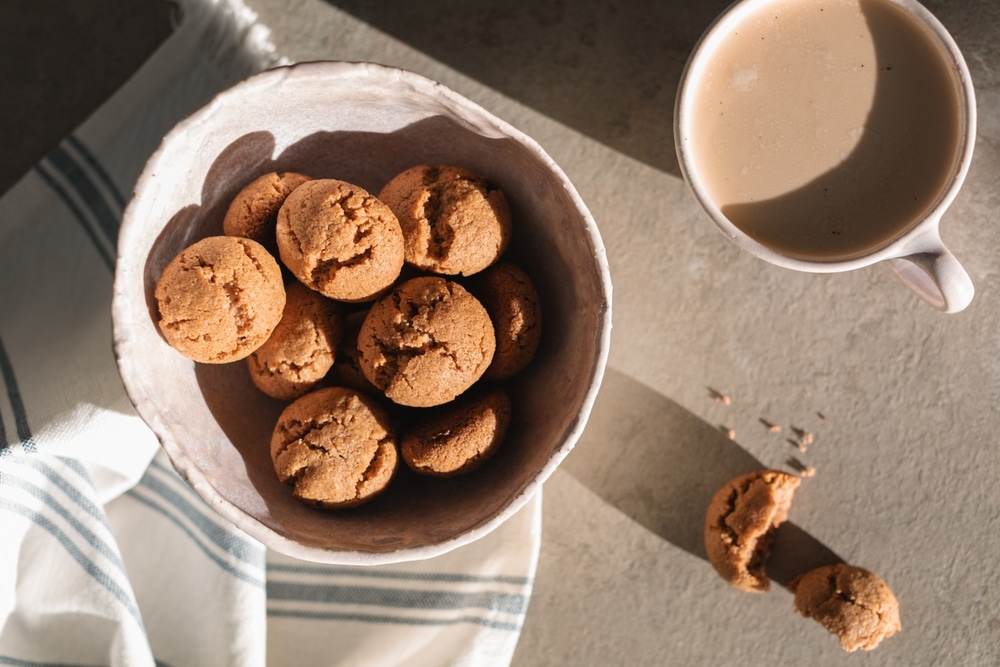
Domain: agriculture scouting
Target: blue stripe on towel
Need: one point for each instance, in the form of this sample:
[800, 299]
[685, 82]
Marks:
[107, 220]
[18, 662]
[38, 493]
[14, 396]
[81, 218]
[385, 619]
[398, 598]
[227, 567]
[445, 577]
[99, 575]
[67, 487]
[91, 160]
[232, 543]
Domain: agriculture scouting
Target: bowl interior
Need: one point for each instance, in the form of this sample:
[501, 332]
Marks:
[360, 123]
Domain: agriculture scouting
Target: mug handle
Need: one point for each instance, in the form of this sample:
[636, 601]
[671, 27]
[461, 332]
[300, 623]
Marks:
[936, 276]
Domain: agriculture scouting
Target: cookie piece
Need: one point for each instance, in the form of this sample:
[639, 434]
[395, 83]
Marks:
[336, 447]
[219, 299]
[509, 296]
[458, 437]
[740, 524]
[339, 240]
[426, 342]
[454, 222]
[253, 213]
[302, 347]
[849, 601]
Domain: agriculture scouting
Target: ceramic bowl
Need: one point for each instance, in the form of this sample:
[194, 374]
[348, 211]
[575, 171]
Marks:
[362, 123]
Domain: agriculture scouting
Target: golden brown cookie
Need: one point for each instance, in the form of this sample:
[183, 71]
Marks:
[253, 213]
[426, 342]
[458, 437]
[340, 240]
[302, 347]
[336, 447]
[740, 524]
[453, 220]
[509, 296]
[851, 602]
[219, 299]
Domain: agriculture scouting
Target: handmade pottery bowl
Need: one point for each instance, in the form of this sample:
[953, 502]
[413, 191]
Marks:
[361, 123]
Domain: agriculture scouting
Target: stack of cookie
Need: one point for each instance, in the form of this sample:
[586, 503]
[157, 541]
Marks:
[353, 308]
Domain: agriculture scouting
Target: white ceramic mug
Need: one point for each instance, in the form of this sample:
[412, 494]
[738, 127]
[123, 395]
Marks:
[813, 141]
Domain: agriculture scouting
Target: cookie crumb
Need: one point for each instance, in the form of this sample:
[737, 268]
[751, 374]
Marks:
[801, 468]
[730, 432]
[773, 428]
[719, 397]
[805, 438]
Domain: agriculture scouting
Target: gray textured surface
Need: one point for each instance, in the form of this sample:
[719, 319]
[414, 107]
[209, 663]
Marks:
[907, 460]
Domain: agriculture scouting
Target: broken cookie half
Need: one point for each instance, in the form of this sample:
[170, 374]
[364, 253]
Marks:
[740, 525]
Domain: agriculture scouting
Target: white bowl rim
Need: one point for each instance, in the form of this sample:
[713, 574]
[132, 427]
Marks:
[123, 348]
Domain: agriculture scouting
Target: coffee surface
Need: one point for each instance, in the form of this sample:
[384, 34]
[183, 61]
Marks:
[824, 129]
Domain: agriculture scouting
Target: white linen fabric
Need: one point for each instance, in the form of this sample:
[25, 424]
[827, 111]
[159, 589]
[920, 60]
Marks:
[107, 557]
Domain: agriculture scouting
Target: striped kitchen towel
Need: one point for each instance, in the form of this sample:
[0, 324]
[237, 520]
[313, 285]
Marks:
[107, 557]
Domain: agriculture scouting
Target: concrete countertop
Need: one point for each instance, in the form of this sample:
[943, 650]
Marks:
[903, 401]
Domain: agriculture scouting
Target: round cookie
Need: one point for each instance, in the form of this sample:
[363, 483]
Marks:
[253, 213]
[454, 222]
[339, 240]
[426, 342]
[458, 437]
[219, 299]
[851, 602]
[509, 296]
[740, 524]
[302, 347]
[335, 446]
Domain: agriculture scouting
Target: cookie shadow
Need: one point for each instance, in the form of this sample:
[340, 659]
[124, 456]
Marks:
[660, 465]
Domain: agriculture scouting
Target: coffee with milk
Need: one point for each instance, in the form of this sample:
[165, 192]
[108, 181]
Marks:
[825, 129]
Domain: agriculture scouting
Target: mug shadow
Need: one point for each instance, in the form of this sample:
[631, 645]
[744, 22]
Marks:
[607, 69]
[897, 172]
[660, 465]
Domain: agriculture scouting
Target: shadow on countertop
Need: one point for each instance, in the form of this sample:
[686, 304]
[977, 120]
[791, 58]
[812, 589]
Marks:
[63, 59]
[660, 465]
[606, 69]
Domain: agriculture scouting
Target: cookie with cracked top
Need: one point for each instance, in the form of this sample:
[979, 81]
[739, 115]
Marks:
[454, 221]
[219, 299]
[509, 296]
[458, 437]
[336, 447]
[426, 342]
[339, 240]
[850, 602]
[301, 349]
